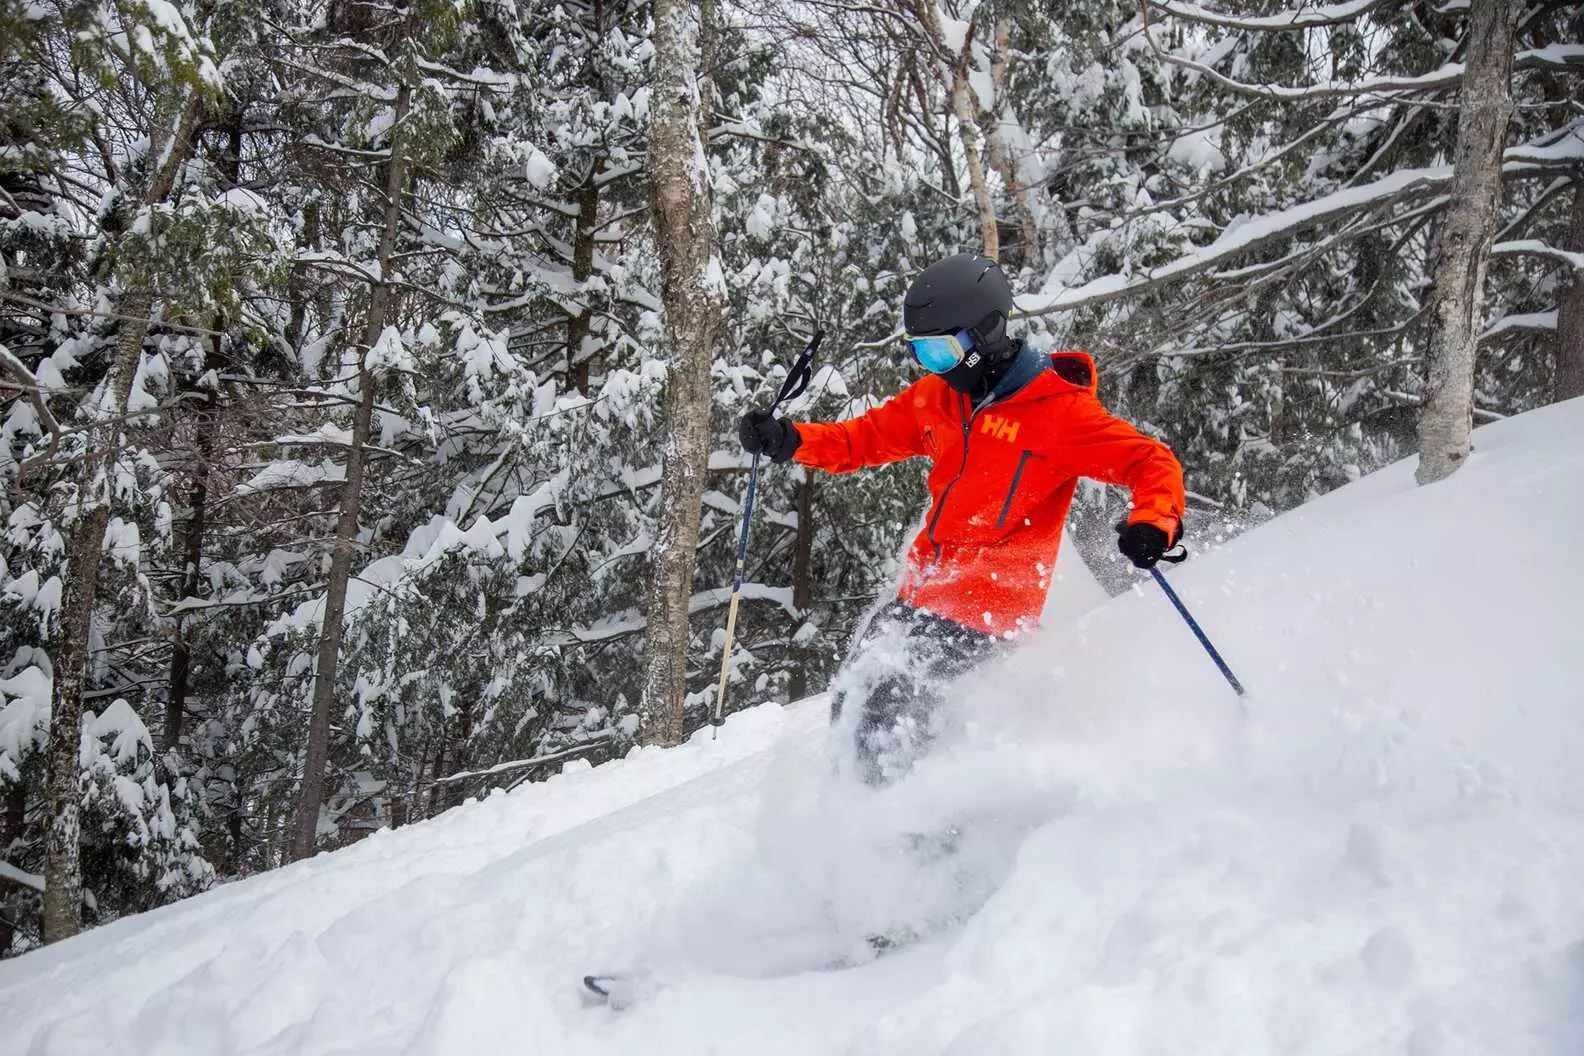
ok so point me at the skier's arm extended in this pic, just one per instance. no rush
(1090, 442)
(889, 433)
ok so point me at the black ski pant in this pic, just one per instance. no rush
(894, 678)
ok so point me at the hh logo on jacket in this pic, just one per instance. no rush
(1000, 428)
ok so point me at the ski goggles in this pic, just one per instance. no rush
(938, 353)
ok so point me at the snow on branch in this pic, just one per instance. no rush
(292, 473)
(18, 877)
(1447, 75)
(1328, 15)
(1564, 57)
(1243, 238)
(1408, 399)
(1329, 209)
(633, 622)
(597, 741)
(1533, 247)
(1532, 321)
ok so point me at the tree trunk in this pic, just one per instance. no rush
(579, 325)
(456, 736)
(968, 129)
(203, 443)
(62, 914)
(1570, 313)
(965, 108)
(693, 306)
(192, 549)
(1004, 159)
(13, 820)
(585, 230)
(1457, 297)
(305, 823)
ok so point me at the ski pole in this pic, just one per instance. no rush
(1193, 625)
(797, 380)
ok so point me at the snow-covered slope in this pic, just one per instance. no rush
(1379, 852)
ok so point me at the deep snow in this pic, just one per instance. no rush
(1379, 852)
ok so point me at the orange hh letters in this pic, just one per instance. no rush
(1000, 428)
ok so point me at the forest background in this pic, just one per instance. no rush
(371, 369)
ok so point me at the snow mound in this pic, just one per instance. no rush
(1377, 852)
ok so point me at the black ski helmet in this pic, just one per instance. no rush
(966, 291)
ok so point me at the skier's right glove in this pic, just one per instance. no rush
(762, 433)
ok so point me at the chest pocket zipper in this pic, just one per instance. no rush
(1017, 475)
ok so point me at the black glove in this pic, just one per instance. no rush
(762, 433)
(1143, 544)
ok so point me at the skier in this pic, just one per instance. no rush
(1009, 432)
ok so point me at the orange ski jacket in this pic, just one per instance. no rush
(1003, 477)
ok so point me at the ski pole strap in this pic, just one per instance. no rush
(1193, 625)
(797, 379)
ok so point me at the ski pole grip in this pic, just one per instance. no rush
(797, 379)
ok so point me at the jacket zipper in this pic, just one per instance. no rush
(940, 507)
(1017, 475)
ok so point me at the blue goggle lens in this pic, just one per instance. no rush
(940, 353)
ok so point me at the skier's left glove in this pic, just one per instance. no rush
(1144, 544)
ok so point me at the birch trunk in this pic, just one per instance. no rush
(1004, 159)
(964, 104)
(62, 908)
(968, 130)
(316, 755)
(1570, 313)
(693, 306)
(1457, 297)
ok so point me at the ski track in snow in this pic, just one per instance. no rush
(1377, 852)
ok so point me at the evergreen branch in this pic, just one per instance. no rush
(57, 309)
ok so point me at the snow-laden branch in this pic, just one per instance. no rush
(1566, 57)
(17, 876)
(1306, 18)
(1329, 209)
(1242, 238)
(1533, 247)
(1541, 322)
(633, 622)
(1408, 399)
(1448, 74)
(598, 741)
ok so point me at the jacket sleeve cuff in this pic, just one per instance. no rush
(1167, 520)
